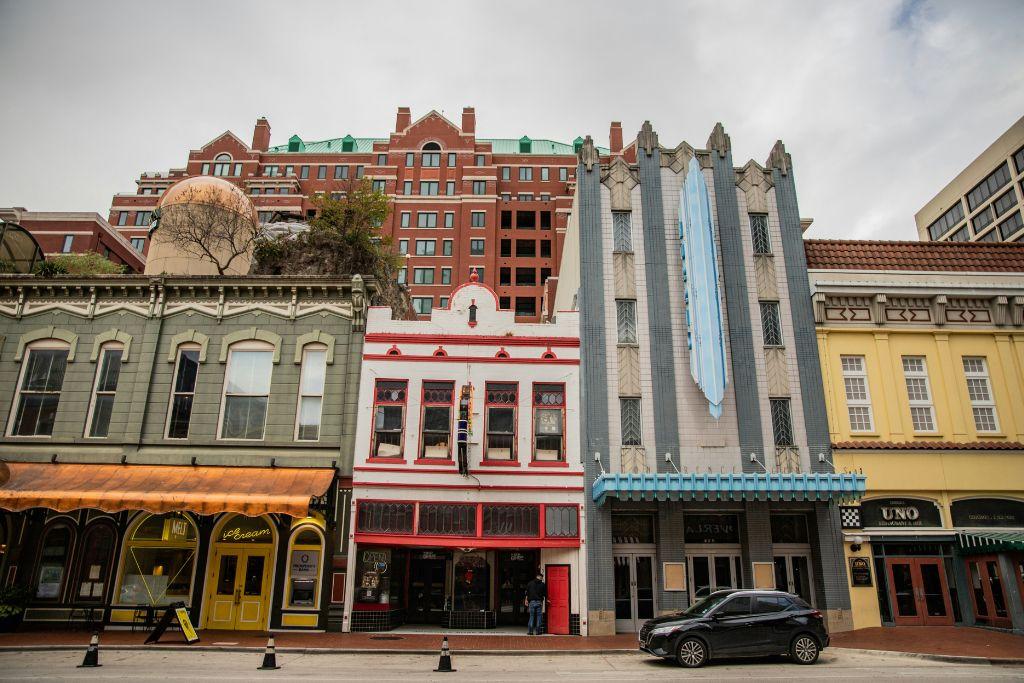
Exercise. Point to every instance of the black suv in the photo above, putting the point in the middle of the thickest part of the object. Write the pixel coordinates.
(738, 623)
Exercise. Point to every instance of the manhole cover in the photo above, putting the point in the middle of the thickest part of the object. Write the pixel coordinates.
(386, 638)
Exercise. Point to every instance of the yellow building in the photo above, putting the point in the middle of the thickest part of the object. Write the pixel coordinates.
(922, 354)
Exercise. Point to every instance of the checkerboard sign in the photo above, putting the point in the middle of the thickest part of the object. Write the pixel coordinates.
(849, 517)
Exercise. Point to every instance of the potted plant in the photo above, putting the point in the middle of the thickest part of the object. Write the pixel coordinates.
(12, 606)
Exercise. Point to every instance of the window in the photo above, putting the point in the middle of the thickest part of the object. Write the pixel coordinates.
(423, 276)
(561, 521)
(359, 171)
(94, 566)
(138, 244)
(479, 273)
(431, 159)
(41, 383)
(1018, 160)
(186, 370)
(379, 186)
(476, 247)
(526, 306)
(506, 219)
(448, 519)
(625, 316)
(428, 187)
(383, 517)
(505, 277)
(449, 188)
(526, 248)
(980, 392)
(922, 413)
(437, 420)
(311, 393)
(982, 219)
(960, 235)
(304, 568)
(548, 422)
(102, 406)
(988, 187)
(425, 247)
(858, 398)
(506, 173)
(321, 173)
(525, 196)
(143, 218)
(500, 401)
(443, 302)
(1004, 203)
(340, 172)
(451, 159)
(422, 304)
(759, 233)
(382, 159)
(504, 303)
(449, 219)
(222, 167)
(406, 218)
(410, 159)
(403, 247)
(122, 218)
(946, 221)
(629, 419)
(478, 219)
(479, 187)
(525, 173)
(545, 197)
(623, 231)
(545, 220)
(525, 277)
(526, 220)
(446, 278)
(158, 560)
(388, 418)
(563, 174)
(53, 560)
(782, 422)
(510, 520)
(545, 273)
(205, 170)
(69, 241)
(270, 171)
(1011, 225)
(246, 392)
(402, 275)
(426, 219)
(446, 248)
(771, 325)
(544, 176)
(545, 248)
(480, 160)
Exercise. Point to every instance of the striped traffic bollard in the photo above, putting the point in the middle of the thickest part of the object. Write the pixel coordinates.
(270, 656)
(92, 655)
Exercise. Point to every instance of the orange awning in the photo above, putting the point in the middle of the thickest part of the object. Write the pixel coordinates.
(162, 488)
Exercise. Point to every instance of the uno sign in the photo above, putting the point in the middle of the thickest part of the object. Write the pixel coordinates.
(899, 512)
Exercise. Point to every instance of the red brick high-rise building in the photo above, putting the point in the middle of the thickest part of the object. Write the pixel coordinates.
(459, 202)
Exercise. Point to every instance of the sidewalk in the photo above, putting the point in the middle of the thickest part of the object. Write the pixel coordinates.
(953, 641)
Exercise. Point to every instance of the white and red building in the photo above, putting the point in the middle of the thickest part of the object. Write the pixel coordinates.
(467, 476)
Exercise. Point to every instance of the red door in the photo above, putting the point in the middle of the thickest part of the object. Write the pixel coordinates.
(918, 591)
(558, 599)
(987, 591)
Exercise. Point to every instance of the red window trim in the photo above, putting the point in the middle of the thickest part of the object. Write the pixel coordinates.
(373, 422)
(421, 458)
(515, 426)
(533, 424)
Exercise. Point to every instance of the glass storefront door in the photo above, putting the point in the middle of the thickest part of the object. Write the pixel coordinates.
(987, 591)
(793, 575)
(634, 590)
(239, 579)
(712, 572)
(918, 591)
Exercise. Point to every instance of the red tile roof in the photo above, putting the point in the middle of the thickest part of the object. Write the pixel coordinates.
(929, 445)
(920, 256)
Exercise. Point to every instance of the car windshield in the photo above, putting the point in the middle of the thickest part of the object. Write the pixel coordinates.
(704, 606)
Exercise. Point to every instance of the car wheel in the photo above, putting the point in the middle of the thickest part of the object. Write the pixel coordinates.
(804, 649)
(691, 653)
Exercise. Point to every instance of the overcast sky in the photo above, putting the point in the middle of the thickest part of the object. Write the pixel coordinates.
(879, 103)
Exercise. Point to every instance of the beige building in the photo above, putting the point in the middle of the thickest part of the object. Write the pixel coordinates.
(983, 203)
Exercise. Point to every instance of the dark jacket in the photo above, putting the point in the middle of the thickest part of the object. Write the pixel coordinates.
(536, 590)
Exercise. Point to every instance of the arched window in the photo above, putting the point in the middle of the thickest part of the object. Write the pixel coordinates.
(431, 147)
(158, 560)
(246, 391)
(94, 568)
(305, 555)
(42, 378)
(53, 561)
(431, 155)
(222, 165)
(311, 392)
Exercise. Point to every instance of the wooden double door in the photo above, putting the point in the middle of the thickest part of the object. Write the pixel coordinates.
(919, 591)
(987, 591)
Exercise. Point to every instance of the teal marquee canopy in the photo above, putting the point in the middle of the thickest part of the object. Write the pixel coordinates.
(802, 487)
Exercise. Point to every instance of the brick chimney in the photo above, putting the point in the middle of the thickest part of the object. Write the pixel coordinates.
(403, 120)
(261, 135)
(615, 137)
(469, 120)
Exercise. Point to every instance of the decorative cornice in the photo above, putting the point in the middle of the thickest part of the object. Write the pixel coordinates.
(719, 141)
(647, 139)
(778, 158)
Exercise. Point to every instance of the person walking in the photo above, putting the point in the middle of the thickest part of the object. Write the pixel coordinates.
(536, 592)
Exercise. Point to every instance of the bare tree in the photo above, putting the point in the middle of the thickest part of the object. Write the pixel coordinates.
(220, 229)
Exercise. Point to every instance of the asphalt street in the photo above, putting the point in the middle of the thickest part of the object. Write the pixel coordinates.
(534, 668)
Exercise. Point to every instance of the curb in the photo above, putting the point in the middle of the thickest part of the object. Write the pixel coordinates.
(302, 650)
(951, 659)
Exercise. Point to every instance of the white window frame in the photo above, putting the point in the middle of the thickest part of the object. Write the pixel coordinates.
(244, 346)
(920, 404)
(306, 350)
(42, 345)
(90, 415)
(981, 375)
(856, 369)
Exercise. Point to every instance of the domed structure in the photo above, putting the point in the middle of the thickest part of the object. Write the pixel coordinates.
(205, 226)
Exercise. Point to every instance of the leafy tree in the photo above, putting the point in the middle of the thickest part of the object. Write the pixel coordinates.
(343, 239)
(87, 263)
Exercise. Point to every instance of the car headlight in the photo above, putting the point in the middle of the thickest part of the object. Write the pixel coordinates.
(662, 631)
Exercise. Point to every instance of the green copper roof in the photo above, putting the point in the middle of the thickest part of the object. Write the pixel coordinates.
(498, 146)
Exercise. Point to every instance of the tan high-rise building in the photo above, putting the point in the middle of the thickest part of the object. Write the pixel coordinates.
(984, 202)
